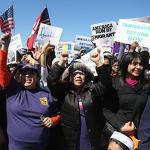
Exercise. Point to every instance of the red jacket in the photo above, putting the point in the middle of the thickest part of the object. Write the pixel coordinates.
(4, 73)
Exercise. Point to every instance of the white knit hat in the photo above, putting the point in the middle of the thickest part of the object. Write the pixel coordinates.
(123, 139)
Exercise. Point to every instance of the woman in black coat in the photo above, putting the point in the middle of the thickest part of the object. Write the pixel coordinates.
(125, 99)
(81, 104)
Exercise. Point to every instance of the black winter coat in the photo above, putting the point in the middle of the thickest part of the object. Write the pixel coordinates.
(124, 103)
(92, 95)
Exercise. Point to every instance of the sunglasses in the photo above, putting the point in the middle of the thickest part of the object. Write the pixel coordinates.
(78, 72)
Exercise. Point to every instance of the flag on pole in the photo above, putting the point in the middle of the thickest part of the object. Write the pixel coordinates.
(42, 18)
(7, 20)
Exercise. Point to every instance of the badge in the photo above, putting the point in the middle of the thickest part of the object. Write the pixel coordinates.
(44, 101)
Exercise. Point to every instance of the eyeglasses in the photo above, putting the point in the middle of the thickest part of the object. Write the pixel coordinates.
(78, 72)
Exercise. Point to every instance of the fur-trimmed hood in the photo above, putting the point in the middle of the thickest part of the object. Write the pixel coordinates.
(77, 66)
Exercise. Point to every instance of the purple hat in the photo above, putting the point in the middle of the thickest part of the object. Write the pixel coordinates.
(30, 67)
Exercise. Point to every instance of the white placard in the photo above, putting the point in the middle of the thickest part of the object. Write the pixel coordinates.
(67, 47)
(102, 32)
(83, 42)
(49, 33)
(12, 57)
(15, 44)
(131, 31)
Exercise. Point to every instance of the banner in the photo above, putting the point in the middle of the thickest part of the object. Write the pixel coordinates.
(131, 31)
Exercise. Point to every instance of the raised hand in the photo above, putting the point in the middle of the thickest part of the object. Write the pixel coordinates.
(95, 57)
(37, 53)
(29, 59)
(5, 40)
(47, 47)
(133, 46)
(81, 52)
(42, 50)
(63, 59)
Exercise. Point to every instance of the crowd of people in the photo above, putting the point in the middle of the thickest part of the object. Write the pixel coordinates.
(47, 104)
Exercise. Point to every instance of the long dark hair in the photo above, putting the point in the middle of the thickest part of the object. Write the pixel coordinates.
(126, 60)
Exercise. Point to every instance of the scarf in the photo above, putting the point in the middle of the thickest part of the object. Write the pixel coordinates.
(131, 82)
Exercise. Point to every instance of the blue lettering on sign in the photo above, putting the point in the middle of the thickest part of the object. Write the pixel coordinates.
(140, 27)
(136, 33)
(134, 38)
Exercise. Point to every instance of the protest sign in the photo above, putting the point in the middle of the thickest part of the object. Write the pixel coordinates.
(67, 47)
(106, 46)
(48, 33)
(102, 32)
(130, 31)
(83, 42)
(15, 44)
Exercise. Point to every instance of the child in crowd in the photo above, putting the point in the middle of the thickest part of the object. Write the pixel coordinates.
(119, 141)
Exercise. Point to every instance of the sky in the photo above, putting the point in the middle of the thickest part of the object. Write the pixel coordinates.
(74, 16)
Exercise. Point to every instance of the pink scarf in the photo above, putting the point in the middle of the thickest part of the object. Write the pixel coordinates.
(131, 82)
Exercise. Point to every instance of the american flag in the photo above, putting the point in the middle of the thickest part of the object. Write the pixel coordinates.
(7, 20)
(42, 18)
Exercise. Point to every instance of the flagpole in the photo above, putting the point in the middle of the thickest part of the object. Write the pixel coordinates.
(13, 15)
(45, 4)
(47, 10)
